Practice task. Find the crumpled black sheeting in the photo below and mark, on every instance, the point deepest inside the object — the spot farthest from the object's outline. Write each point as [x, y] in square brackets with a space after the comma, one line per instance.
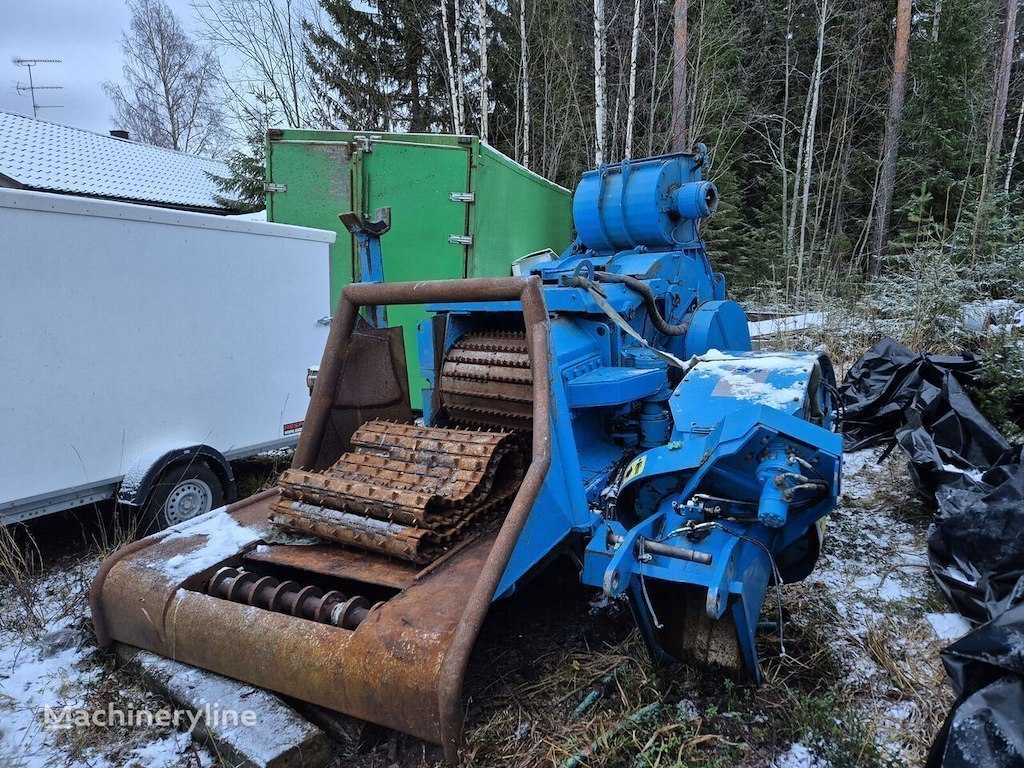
[886, 383]
[960, 462]
[985, 728]
[976, 548]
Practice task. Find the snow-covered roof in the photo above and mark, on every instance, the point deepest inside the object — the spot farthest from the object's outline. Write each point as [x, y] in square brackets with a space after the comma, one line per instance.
[40, 155]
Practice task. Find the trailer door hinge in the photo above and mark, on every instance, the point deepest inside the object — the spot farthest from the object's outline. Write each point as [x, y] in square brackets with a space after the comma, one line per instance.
[268, 187]
[462, 197]
[460, 239]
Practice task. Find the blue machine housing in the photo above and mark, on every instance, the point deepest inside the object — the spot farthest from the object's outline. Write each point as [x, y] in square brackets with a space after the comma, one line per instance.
[688, 472]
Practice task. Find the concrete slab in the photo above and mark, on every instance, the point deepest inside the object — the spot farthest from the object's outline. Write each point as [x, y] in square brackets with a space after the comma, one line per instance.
[275, 737]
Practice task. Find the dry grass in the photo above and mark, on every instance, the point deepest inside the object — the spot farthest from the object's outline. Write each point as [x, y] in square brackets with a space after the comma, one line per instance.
[20, 561]
[258, 473]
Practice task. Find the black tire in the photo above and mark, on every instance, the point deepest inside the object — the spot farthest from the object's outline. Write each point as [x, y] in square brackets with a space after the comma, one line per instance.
[181, 493]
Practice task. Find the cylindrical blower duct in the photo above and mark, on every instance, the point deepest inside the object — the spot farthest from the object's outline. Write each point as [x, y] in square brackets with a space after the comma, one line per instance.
[649, 202]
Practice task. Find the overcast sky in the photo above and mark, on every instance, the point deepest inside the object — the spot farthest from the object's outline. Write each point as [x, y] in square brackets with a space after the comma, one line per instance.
[86, 36]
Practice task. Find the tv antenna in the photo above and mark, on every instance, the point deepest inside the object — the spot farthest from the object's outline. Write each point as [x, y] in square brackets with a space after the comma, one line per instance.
[32, 87]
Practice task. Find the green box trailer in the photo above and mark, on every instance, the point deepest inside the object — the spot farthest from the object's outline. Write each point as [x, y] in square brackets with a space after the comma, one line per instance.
[459, 208]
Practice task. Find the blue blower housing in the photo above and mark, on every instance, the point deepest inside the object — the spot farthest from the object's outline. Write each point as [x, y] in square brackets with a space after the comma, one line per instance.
[648, 202]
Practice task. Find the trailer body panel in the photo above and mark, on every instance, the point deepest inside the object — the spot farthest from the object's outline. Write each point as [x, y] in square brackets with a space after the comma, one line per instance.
[126, 330]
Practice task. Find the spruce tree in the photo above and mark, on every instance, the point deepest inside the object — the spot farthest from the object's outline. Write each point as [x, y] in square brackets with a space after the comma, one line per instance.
[377, 69]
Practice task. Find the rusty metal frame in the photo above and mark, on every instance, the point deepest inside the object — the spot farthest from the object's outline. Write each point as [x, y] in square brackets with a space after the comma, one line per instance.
[99, 617]
[134, 601]
[526, 290]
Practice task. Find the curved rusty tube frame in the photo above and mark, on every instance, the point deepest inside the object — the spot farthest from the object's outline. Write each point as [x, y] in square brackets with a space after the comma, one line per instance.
[99, 619]
[526, 290]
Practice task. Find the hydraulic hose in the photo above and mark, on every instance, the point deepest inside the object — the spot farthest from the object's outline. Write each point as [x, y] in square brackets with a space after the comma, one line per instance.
[644, 290]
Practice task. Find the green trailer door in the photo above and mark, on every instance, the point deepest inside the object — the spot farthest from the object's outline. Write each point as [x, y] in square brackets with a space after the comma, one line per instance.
[501, 211]
[417, 181]
[311, 184]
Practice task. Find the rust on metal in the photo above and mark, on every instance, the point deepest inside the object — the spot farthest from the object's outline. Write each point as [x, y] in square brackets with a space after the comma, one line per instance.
[336, 562]
[404, 490]
[486, 380]
[306, 602]
[373, 385]
[402, 665]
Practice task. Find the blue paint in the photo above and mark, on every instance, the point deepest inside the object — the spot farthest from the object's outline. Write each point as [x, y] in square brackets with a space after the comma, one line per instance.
[733, 457]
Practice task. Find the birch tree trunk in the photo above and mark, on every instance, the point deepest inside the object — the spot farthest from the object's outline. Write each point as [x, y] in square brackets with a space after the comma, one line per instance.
[459, 75]
[812, 120]
[679, 46]
[631, 106]
[783, 130]
[936, 19]
[600, 96]
[995, 133]
[453, 85]
[524, 63]
[891, 139]
[1013, 150]
[794, 203]
[485, 107]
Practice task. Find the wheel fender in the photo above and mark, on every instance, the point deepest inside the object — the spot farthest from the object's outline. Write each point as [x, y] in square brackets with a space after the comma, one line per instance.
[147, 469]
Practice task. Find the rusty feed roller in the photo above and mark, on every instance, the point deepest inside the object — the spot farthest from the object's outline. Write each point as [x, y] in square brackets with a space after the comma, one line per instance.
[288, 597]
[486, 380]
[405, 490]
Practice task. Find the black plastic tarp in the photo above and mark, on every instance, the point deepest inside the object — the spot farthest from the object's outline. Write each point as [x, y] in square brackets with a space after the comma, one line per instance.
[985, 728]
[958, 461]
[887, 384]
[975, 479]
[976, 546]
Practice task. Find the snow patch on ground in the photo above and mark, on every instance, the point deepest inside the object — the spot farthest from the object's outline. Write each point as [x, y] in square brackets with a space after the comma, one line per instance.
[787, 324]
[948, 626]
[799, 756]
[57, 666]
[873, 570]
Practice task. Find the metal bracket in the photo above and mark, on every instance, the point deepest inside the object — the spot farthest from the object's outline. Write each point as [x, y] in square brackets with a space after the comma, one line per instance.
[371, 261]
[376, 227]
[366, 142]
[268, 187]
[462, 197]
[460, 239]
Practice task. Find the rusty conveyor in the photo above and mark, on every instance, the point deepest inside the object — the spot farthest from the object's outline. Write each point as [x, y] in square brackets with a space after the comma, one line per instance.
[404, 490]
[356, 630]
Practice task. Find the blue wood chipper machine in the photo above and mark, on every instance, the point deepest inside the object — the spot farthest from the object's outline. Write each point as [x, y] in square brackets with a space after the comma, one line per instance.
[607, 404]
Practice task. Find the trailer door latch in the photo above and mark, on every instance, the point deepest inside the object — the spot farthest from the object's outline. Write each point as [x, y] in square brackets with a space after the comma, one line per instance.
[460, 239]
[268, 187]
[462, 197]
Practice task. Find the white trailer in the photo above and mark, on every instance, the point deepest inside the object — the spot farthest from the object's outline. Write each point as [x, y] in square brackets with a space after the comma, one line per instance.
[142, 348]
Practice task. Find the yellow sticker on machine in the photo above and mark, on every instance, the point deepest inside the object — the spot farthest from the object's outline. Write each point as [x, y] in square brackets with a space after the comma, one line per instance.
[635, 468]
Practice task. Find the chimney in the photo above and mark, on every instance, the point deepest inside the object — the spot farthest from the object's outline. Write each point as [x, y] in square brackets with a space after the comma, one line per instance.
[119, 134]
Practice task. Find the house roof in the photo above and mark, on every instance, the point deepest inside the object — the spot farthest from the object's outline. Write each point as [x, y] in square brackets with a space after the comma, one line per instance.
[40, 155]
